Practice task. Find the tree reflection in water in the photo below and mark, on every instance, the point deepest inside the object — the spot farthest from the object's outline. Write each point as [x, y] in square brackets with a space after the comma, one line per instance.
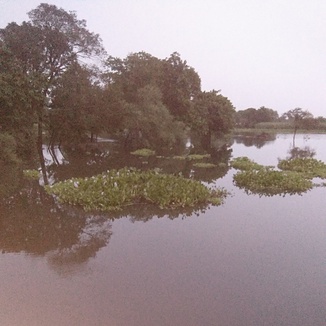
[33, 223]
[297, 152]
[255, 139]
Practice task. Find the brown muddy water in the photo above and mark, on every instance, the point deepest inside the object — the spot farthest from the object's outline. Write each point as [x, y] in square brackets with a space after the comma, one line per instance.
[254, 260]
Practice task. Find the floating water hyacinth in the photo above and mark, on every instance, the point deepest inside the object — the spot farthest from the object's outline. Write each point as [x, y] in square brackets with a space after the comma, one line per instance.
[114, 189]
[295, 177]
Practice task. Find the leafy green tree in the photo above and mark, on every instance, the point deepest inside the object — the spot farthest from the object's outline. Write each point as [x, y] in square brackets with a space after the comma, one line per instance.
[16, 98]
[134, 72]
[250, 117]
[142, 90]
[299, 118]
[211, 115]
[75, 110]
[148, 123]
[246, 118]
[46, 46]
[266, 115]
[180, 84]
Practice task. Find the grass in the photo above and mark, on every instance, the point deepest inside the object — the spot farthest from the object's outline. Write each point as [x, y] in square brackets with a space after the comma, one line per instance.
[115, 189]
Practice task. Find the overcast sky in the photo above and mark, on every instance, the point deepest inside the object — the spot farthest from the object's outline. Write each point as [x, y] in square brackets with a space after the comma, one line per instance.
[268, 53]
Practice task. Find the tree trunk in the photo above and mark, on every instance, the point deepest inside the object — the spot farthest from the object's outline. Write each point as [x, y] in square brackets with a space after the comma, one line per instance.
[39, 145]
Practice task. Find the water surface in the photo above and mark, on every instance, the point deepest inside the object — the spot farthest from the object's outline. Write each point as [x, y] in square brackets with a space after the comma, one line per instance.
[253, 261]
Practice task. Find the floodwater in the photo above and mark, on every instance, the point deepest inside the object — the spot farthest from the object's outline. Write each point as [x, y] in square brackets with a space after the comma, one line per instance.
[254, 260]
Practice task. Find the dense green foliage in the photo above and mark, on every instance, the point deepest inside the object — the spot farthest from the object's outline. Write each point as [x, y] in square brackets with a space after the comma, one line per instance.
[211, 114]
[117, 188]
[249, 118]
[44, 48]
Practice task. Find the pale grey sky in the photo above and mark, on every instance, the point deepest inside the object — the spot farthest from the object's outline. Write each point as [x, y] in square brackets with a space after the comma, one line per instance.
[258, 52]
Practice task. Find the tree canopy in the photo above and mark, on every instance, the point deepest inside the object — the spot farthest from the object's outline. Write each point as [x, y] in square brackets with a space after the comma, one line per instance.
[47, 89]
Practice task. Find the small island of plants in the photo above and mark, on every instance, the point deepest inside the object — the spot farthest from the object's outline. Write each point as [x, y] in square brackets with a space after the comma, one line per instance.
[115, 189]
[294, 177]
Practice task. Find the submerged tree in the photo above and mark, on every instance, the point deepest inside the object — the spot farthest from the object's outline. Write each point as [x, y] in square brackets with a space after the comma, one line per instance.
[75, 109]
[16, 113]
[211, 115]
[298, 117]
[45, 47]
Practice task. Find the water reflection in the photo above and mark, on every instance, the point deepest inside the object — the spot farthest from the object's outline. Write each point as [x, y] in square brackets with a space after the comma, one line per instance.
[255, 139]
[10, 179]
[304, 152]
[107, 156]
[31, 222]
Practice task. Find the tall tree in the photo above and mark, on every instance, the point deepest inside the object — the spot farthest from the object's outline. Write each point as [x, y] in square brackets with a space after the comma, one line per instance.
[180, 85]
[298, 118]
[75, 110]
[16, 98]
[46, 46]
[211, 114]
[148, 123]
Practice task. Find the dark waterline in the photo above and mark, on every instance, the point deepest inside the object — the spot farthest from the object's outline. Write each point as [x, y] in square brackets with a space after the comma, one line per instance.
[253, 261]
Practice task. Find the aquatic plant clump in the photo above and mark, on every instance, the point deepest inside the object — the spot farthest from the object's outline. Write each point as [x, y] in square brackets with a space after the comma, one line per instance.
[192, 157]
[205, 165]
[146, 152]
[117, 188]
[245, 164]
[267, 181]
[310, 167]
[31, 174]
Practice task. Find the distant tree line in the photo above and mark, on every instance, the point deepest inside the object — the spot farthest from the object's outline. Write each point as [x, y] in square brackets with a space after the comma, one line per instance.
[48, 95]
[267, 118]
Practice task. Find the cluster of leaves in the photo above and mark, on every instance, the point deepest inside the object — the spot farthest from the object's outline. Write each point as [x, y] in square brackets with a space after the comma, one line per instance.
[244, 163]
[310, 167]
[115, 189]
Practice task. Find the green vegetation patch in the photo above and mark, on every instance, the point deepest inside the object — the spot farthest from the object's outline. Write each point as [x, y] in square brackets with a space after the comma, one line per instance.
[179, 157]
[31, 174]
[310, 167]
[267, 181]
[197, 156]
[202, 165]
[192, 157]
[146, 152]
[117, 188]
[245, 164]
